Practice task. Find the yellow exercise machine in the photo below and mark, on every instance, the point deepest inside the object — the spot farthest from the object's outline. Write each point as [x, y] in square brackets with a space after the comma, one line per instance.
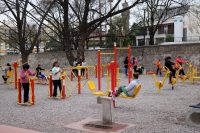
[159, 84]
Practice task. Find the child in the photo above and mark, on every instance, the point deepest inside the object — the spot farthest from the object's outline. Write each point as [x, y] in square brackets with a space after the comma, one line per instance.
[56, 71]
[128, 91]
[24, 75]
[126, 66]
[159, 66]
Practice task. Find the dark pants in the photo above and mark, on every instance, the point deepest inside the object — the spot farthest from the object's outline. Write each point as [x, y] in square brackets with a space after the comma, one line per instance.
[26, 91]
[126, 71]
[181, 72]
[135, 68]
[4, 78]
[120, 90]
[83, 72]
[158, 70]
[172, 75]
[56, 84]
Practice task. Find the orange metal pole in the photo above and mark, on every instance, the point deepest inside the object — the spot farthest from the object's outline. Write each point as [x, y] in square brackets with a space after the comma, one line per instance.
[129, 64]
[19, 88]
[86, 73]
[99, 69]
[32, 91]
[79, 81]
[115, 61]
[102, 68]
[63, 88]
[113, 67]
[50, 86]
[15, 65]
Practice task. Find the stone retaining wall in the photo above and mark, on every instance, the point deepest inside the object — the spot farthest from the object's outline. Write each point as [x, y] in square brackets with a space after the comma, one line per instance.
[146, 55]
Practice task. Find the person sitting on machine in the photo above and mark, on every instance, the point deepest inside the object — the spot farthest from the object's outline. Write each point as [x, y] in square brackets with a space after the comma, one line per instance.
[128, 90]
[39, 73]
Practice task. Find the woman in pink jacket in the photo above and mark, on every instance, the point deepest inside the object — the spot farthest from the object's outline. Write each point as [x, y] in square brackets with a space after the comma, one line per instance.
[24, 75]
[135, 64]
[181, 61]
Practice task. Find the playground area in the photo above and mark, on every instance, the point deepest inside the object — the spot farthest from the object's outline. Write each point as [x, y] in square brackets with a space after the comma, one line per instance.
[149, 112]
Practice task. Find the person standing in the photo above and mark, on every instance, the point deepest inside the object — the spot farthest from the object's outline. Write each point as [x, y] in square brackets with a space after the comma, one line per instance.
[5, 71]
[169, 64]
[126, 66]
[25, 75]
[56, 71]
[159, 67]
[135, 64]
[83, 63]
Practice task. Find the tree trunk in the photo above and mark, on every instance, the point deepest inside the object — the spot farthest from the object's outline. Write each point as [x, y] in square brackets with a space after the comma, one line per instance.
[24, 57]
[151, 39]
[81, 48]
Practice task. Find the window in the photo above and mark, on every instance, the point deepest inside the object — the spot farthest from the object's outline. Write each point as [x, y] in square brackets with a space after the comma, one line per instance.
[161, 29]
[171, 29]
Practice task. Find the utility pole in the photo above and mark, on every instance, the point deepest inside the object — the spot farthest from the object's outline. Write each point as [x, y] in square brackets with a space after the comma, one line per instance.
[100, 27]
[144, 27]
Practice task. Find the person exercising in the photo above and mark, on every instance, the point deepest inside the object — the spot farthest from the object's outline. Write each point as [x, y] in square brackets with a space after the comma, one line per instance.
[128, 90]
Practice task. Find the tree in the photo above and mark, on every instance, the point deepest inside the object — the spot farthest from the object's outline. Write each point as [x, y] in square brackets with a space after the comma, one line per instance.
[79, 18]
[158, 11]
[23, 25]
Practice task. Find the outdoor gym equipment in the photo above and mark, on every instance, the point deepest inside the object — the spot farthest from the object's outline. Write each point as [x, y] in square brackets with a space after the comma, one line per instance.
[32, 92]
[114, 53]
[62, 93]
[159, 84]
[92, 86]
[174, 80]
[194, 76]
[113, 91]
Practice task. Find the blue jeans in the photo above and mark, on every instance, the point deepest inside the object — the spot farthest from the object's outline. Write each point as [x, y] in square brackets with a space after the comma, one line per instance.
[122, 89]
[126, 71]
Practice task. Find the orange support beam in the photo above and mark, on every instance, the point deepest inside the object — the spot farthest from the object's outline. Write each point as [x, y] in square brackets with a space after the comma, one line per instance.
[50, 86]
[113, 69]
[79, 81]
[63, 95]
[32, 87]
[99, 69]
[86, 73]
[15, 66]
[129, 64]
[19, 88]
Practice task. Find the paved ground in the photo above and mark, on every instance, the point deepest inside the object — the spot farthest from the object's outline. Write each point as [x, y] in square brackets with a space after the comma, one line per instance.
[149, 112]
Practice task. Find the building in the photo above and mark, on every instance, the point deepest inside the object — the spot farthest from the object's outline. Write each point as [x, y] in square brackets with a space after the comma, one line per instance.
[178, 29]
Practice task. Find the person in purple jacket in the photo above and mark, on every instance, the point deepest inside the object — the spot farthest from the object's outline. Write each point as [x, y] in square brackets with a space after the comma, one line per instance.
[24, 75]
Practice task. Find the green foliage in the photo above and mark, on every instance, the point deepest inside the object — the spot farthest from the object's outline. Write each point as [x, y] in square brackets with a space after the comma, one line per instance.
[169, 38]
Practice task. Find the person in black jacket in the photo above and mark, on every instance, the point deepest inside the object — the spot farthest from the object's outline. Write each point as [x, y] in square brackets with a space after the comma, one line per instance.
[169, 64]
[126, 66]
[39, 73]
